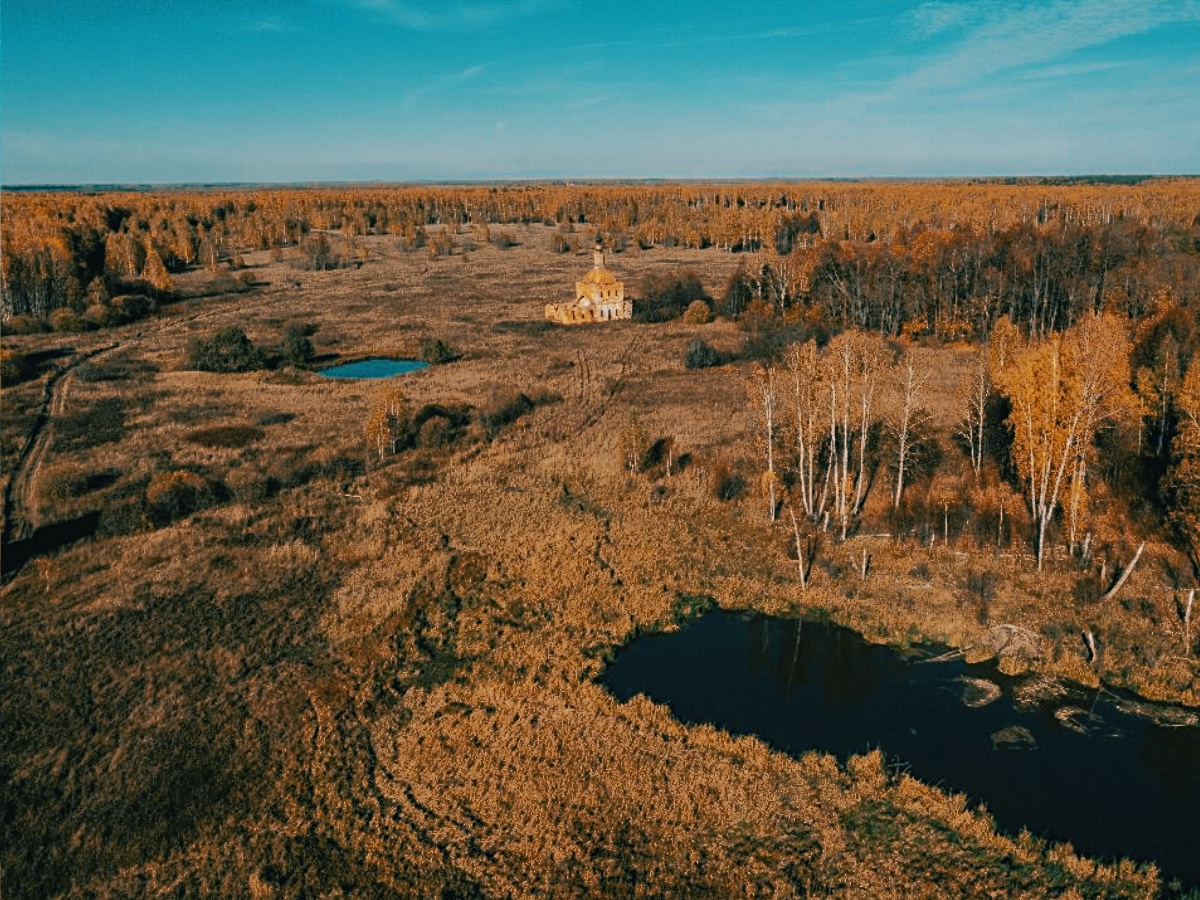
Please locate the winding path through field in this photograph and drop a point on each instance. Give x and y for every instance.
(20, 500)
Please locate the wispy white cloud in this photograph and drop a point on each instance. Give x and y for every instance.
(414, 94)
(450, 15)
(268, 25)
(1000, 37)
(936, 16)
(677, 39)
(1075, 70)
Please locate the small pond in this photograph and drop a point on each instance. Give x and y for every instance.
(1069, 764)
(377, 367)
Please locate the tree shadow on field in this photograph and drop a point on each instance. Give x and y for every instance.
(47, 540)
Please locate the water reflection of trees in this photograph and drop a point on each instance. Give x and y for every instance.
(1172, 757)
(797, 654)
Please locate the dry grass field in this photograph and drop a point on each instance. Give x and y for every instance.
(281, 667)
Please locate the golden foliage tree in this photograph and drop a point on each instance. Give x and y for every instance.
(154, 272)
(386, 421)
(1184, 477)
(632, 444)
(1061, 390)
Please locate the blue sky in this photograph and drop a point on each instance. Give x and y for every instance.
(315, 90)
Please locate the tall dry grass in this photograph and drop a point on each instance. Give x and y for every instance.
(379, 679)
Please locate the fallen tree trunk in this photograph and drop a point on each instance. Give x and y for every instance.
(1112, 592)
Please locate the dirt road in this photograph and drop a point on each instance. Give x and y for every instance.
(20, 498)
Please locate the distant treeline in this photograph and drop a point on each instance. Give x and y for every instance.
(944, 258)
(955, 284)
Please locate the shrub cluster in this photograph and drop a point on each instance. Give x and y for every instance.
(14, 366)
(229, 350)
(700, 355)
(436, 351)
(727, 484)
(297, 349)
(504, 409)
(667, 298)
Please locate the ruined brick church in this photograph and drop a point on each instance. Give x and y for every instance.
(599, 297)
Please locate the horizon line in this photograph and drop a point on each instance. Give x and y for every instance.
(142, 186)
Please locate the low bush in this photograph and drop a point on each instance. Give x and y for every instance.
(68, 481)
(66, 320)
(698, 313)
(229, 350)
(15, 366)
(560, 243)
(440, 243)
(131, 307)
(63, 482)
(297, 349)
(700, 355)
(172, 495)
(435, 352)
(727, 484)
(435, 432)
(24, 325)
(504, 409)
(101, 315)
(122, 517)
(667, 298)
(247, 485)
(436, 425)
(767, 339)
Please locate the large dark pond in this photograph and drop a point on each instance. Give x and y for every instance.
(1067, 763)
(377, 367)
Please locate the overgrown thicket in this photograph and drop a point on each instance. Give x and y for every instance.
(893, 257)
(392, 426)
(1045, 425)
(231, 350)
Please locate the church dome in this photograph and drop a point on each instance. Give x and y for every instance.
(600, 276)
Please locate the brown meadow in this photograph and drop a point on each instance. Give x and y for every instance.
(283, 666)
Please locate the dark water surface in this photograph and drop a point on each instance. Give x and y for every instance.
(1126, 787)
(377, 367)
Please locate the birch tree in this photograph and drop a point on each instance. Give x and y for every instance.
(872, 356)
(971, 427)
(1100, 350)
(763, 390)
(385, 421)
(809, 426)
(853, 364)
(907, 416)
(1061, 390)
